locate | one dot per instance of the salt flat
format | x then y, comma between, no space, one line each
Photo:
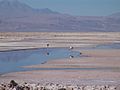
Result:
27,40
99,65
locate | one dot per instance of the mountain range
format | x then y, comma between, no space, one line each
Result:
17,16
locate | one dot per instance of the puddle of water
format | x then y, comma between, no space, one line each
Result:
108,46
103,46
12,61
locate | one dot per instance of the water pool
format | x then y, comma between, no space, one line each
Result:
11,61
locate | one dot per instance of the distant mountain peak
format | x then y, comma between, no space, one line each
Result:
15,6
47,11
116,14
10,0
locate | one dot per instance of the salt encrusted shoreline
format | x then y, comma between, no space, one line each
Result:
52,86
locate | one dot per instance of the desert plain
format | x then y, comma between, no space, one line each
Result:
94,66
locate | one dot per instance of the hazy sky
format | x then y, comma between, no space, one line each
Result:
78,7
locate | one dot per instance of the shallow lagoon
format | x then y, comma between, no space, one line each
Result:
12,61
108,46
